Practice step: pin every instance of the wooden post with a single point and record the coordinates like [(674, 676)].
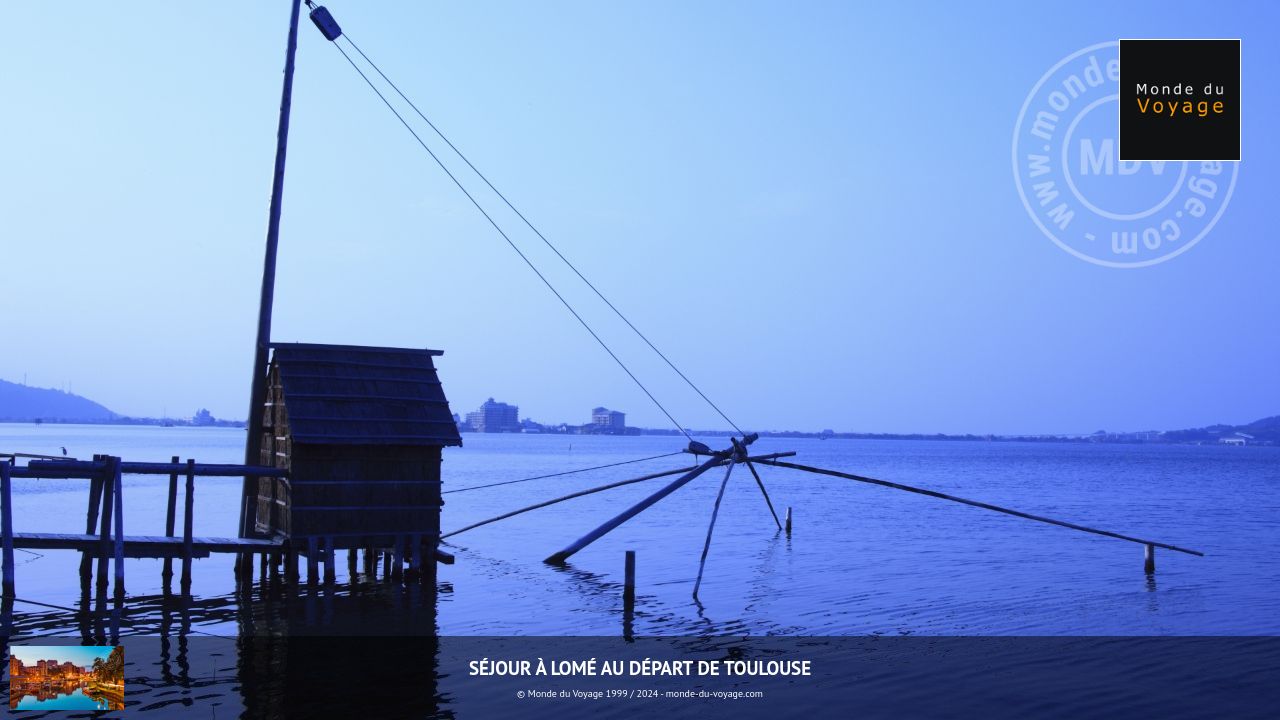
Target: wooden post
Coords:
[(330, 559), (1149, 560), (91, 519), (629, 583), (104, 542), (6, 528), (171, 518), (397, 559), (369, 562), (788, 521), (351, 564), (262, 566), (386, 565), (188, 523), (313, 573), (118, 486), (415, 558), (291, 565)]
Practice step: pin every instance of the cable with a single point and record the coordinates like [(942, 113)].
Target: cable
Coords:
[(540, 235), (527, 261), (567, 472)]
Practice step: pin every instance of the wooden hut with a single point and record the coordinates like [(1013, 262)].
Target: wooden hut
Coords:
[(360, 430)]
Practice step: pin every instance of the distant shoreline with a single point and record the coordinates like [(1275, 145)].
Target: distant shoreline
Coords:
[(1213, 435)]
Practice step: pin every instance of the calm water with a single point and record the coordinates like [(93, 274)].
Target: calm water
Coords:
[(74, 700), (862, 560)]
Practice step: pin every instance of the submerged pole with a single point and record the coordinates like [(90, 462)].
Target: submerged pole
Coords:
[(262, 345), (764, 492), (118, 563), (1149, 559)]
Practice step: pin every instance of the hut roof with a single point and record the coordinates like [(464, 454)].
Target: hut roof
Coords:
[(356, 395)]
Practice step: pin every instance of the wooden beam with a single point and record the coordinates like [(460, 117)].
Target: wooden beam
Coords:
[(715, 512), (609, 525)]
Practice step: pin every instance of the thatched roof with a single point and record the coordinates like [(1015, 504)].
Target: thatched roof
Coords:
[(353, 395)]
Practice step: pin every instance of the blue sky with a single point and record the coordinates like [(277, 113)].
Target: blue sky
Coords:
[(809, 206), (82, 656)]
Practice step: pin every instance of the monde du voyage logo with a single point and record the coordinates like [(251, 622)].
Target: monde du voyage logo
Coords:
[(1128, 164)]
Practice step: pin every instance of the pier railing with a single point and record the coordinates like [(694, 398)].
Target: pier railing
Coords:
[(104, 536)]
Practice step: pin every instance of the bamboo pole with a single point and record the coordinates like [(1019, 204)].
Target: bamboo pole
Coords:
[(570, 496), (715, 511), (634, 510), (590, 491), (764, 492), (975, 503)]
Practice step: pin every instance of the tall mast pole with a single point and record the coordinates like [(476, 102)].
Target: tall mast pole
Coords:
[(262, 346)]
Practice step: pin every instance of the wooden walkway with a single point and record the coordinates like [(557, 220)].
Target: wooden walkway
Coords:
[(146, 546), (104, 539)]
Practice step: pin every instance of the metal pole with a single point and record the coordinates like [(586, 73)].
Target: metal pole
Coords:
[(262, 345), (634, 510)]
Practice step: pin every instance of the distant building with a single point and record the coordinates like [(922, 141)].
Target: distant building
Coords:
[(607, 422), (15, 667), (495, 417)]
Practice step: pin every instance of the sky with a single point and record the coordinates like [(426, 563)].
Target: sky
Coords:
[(78, 655), (809, 207)]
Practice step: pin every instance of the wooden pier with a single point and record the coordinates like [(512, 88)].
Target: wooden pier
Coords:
[(104, 538)]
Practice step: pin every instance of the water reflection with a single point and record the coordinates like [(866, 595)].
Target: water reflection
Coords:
[(269, 649)]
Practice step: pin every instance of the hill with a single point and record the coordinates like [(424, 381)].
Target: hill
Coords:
[(20, 403)]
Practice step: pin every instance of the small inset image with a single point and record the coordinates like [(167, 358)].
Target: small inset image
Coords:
[(66, 677), (1180, 100)]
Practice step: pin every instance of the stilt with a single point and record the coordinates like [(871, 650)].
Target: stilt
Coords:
[(291, 565), (1149, 560), (330, 560), (117, 482), (788, 522), (6, 529), (313, 574), (369, 561), (91, 519), (104, 525), (415, 558), (262, 566), (386, 565), (764, 492), (397, 559), (170, 520), (351, 565), (188, 520)]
